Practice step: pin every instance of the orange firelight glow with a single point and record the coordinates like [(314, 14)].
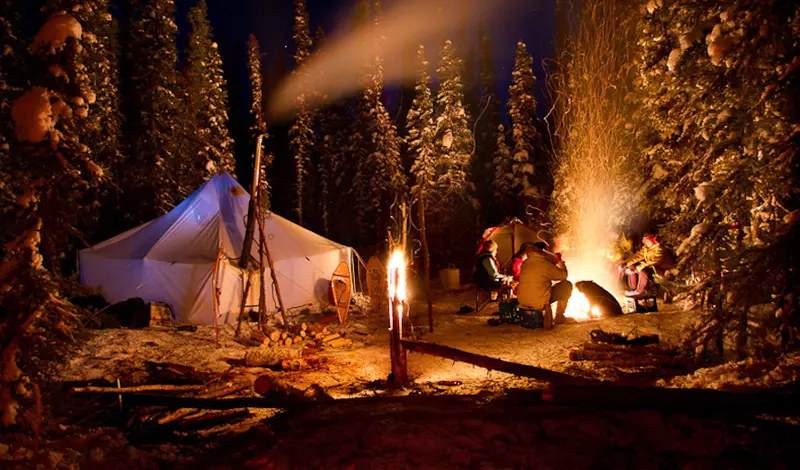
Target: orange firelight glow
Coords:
[(396, 277)]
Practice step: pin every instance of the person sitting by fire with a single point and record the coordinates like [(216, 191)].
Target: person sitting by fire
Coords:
[(652, 258), (536, 289), (487, 274)]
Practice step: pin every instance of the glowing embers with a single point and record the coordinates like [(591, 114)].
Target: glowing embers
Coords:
[(396, 277)]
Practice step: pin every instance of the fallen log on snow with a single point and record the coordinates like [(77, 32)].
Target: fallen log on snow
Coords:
[(219, 391), (138, 389), (208, 420), (491, 363), (597, 397)]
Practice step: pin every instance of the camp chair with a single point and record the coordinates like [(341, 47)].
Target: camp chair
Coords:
[(483, 298)]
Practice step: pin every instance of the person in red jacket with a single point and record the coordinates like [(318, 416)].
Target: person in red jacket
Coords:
[(518, 259)]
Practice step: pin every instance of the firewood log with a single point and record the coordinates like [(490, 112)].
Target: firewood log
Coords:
[(303, 333), (284, 335), (340, 342), (287, 341), (257, 335), (275, 335), (297, 339), (269, 357), (303, 327), (331, 337)]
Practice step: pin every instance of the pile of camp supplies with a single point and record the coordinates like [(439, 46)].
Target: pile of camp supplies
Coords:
[(511, 312)]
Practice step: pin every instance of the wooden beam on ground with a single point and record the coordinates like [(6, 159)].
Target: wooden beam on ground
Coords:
[(491, 363)]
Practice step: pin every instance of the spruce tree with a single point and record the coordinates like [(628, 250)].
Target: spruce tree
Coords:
[(420, 127), (258, 123), (488, 119), (503, 181), (101, 130), (379, 181), (53, 172), (154, 167), (453, 137), (302, 132), (208, 98), (718, 86), (522, 111)]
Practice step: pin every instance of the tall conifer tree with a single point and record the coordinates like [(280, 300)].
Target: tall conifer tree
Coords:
[(453, 137), (258, 123), (379, 179), (153, 173), (522, 111), (208, 97), (489, 109), (420, 127), (302, 132)]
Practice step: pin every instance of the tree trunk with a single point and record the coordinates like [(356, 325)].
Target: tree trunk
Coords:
[(426, 258)]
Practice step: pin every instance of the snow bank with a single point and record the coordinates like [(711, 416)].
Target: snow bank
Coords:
[(33, 115), (745, 374), (55, 33)]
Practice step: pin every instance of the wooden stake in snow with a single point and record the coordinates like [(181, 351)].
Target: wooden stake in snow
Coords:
[(397, 295)]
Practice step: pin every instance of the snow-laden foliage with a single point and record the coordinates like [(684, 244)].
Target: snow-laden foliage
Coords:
[(503, 181), (154, 169), (212, 146), (718, 88), (302, 131), (488, 118), (54, 34), (53, 171), (452, 135), (379, 182), (102, 127), (258, 123), (420, 127), (522, 111)]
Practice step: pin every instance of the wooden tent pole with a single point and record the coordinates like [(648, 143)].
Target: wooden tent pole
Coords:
[(244, 260), (271, 266), (215, 297)]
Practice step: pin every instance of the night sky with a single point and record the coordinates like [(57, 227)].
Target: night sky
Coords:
[(271, 21)]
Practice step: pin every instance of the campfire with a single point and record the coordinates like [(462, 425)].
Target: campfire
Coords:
[(580, 309), (594, 267)]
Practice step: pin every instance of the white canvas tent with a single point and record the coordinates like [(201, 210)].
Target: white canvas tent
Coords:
[(171, 259)]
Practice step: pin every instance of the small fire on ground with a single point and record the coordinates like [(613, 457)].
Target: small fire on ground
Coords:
[(396, 278), (580, 309), (594, 268)]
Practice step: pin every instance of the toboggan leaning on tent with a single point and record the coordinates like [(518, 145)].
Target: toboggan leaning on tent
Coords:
[(171, 259)]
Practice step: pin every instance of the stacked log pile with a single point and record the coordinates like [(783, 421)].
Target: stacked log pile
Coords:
[(306, 333)]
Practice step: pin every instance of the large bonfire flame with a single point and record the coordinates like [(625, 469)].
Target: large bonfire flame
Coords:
[(397, 286)]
